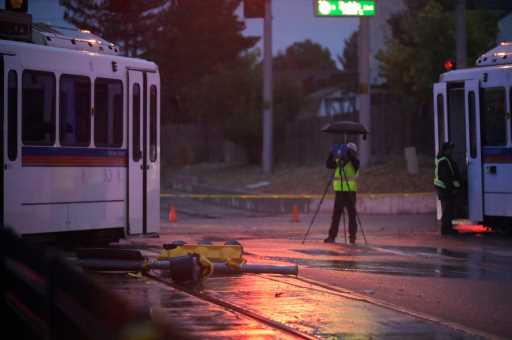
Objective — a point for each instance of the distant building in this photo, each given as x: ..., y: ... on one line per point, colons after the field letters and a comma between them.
x: 330, y: 102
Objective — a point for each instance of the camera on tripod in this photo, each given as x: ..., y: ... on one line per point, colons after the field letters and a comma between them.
x: 339, y: 151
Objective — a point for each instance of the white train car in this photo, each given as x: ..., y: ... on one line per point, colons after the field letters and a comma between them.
x: 80, y: 136
x: 472, y: 108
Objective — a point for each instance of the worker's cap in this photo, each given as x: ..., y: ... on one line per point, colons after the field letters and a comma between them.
x: 352, y: 146
x: 448, y: 146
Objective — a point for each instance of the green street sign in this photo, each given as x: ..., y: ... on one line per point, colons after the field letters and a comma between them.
x: 344, y: 8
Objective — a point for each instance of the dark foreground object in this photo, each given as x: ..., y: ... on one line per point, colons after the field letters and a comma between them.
x: 43, y: 296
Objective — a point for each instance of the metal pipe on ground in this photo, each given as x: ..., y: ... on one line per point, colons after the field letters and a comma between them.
x: 218, y: 268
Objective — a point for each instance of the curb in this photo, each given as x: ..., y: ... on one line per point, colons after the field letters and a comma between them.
x: 393, y: 203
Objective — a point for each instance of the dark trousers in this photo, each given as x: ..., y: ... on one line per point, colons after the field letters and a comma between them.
x: 448, y: 206
x: 344, y: 199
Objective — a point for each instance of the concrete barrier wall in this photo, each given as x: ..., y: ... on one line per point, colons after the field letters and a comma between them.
x: 399, y: 203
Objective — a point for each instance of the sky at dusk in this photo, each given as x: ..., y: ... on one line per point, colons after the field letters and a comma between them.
x: 293, y: 21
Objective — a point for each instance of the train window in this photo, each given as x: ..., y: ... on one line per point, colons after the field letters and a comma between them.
x: 494, y: 131
x: 12, y: 115
x: 440, y: 120
x: 38, y: 108
x: 472, y: 125
x: 153, y: 124
x: 108, y: 116
x: 75, y: 110
x: 136, y: 122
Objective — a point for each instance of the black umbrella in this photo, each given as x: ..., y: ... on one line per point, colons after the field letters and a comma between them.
x: 345, y: 127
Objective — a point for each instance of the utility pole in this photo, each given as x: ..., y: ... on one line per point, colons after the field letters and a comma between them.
x: 460, y: 33
x: 364, y: 87
x: 267, y: 90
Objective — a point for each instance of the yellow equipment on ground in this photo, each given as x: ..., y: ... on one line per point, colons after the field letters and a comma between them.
x: 229, y: 254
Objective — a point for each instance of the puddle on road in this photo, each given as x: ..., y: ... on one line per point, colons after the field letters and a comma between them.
x: 317, y: 313
x: 183, y: 312
x: 323, y: 314
x: 402, y: 268
x: 474, y: 257
x: 349, y: 252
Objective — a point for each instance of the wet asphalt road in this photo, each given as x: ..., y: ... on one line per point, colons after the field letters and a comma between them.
x: 406, y: 282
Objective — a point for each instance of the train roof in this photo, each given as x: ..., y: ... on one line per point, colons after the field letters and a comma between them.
x: 500, y: 55
x: 71, y: 38
x: 28, y: 53
x: 492, y: 63
x: 41, y: 37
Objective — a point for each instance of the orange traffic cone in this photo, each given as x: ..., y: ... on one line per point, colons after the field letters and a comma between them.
x: 295, y: 213
x: 172, y: 214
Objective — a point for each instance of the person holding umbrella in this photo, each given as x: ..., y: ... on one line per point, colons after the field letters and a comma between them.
x: 344, y: 160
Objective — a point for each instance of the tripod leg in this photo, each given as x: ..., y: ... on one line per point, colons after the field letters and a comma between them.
x: 362, y: 230
x: 318, y: 208
x: 344, y: 226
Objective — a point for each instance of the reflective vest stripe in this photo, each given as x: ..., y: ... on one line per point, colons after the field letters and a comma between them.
x: 437, y: 181
x: 347, y: 180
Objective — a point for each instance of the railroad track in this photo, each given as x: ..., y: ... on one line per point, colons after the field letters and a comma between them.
x: 233, y: 307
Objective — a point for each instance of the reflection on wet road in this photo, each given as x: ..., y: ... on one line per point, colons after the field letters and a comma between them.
x: 323, y: 313
x: 433, y: 262
x: 309, y: 309
x: 183, y: 312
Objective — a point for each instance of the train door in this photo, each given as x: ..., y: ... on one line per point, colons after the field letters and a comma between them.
x: 11, y: 155
x: 440, y: 123
x: 143, y: 150
x: 136, y: 169
x: 456, y: 129
x: 152, y: 151
x: 474, y: 151
x: 2, y: 101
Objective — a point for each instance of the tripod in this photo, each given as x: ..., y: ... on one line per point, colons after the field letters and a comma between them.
x: 318, y: 207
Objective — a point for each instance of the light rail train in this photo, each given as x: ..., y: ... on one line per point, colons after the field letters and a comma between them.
x: 472, y: 108
x: 80, y: 134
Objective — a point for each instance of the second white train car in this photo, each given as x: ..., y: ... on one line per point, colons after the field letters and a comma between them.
x: 473, y: 109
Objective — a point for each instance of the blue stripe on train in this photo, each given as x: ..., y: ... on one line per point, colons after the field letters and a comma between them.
x: 67, y: 151
x: 497, y: 154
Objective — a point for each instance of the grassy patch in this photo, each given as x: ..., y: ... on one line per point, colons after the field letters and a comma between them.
x: 387, y: 177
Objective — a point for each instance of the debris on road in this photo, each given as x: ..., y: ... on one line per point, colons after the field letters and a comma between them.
x: 186, y: 263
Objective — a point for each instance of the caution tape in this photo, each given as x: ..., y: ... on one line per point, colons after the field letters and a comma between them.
x: 272, y: 196
x: 243, y: 196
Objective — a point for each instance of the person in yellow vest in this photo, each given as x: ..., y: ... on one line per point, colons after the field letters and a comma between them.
x: 447, y: 184
x: 345, y: 188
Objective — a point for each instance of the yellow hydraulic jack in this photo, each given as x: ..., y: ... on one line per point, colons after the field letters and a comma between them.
x: 185, y: 262
x: 225, y: 259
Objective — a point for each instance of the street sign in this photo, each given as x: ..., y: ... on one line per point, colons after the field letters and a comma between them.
x: 344, y: 8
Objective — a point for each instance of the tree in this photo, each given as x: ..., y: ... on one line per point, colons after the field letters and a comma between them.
x: 188, y: 39
x: 350, y: 54
x: 129, y: 24
x: 305, y: 55
x: 423, y: 36
x: 232, y: 98
x: 201, y: 38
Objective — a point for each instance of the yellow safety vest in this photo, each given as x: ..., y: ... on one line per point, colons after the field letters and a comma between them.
x: 437, y: 181
x: 345, y: 181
